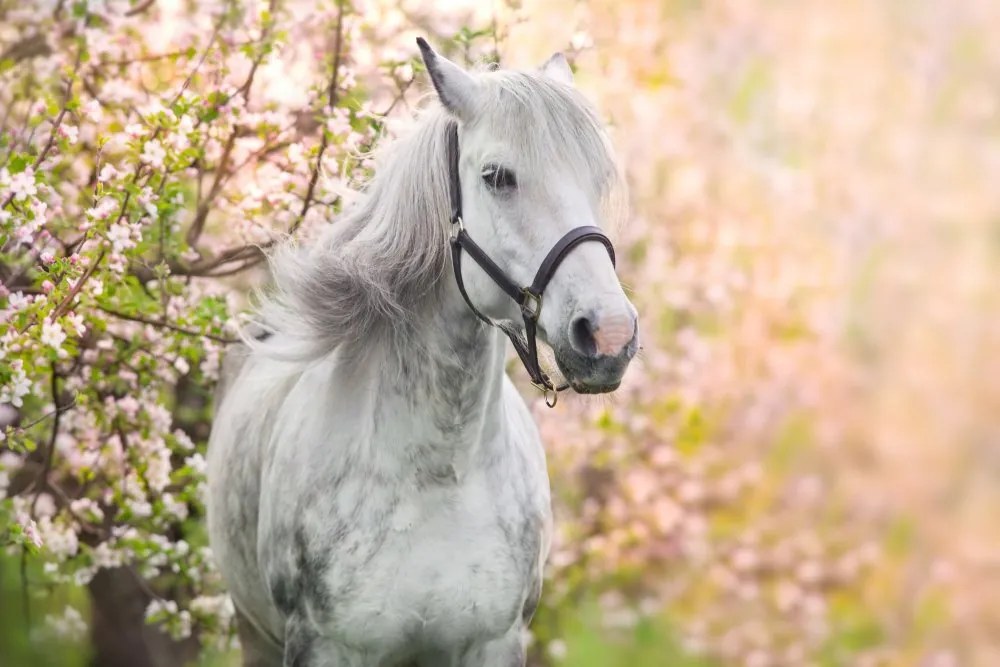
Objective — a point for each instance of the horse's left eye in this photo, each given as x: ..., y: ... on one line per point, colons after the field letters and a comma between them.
x: 499, y: 178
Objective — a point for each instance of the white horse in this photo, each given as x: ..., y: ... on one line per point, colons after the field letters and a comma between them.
x: 377, y: 488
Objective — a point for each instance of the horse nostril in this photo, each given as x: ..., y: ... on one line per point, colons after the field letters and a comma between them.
x: 582, y: 336
x: 610, y: 336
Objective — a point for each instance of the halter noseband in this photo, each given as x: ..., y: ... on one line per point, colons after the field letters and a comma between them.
x: 529, y: 299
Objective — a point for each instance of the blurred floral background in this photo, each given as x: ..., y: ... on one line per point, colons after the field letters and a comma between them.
x: 801, y: 468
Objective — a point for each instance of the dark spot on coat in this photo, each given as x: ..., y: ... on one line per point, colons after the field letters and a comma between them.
x: 284, y: 592
x: 312, y: 566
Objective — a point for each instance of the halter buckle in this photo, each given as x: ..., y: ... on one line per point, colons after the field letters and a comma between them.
x: 457, y: 227
x: 527, y: 310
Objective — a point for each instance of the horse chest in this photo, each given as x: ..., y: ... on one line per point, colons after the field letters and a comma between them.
x: 449, y: 565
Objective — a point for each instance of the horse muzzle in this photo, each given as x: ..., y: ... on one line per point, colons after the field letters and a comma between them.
x: 598, y: 351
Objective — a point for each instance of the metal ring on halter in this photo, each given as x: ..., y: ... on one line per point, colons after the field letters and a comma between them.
x: 457, y: 227
x: 550, y: 393
x: 553, y: 395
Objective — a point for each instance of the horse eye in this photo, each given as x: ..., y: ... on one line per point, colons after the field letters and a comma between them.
x: 499, y: 178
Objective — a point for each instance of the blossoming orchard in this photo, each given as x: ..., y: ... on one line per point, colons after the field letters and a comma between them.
x: 796, y: 468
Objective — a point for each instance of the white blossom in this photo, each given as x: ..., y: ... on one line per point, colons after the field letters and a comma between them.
x: 197, y: 463
x: 60, y: 539
x: 23, y: 185
x: 70, y: 625
x: 153, y: 154
x: 52, y: 334
x: 120, y: 236
x: 92, y: 111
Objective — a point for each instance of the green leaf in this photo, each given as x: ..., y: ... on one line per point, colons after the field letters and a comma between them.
x: 17, y: 164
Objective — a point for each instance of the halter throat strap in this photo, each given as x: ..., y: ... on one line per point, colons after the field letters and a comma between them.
x: 529, y: 299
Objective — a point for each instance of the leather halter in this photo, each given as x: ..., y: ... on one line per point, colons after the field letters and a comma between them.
x: 529, y: 299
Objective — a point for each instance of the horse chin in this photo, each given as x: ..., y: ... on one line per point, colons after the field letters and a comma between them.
x: 584, y: 388
x: 584, y: 382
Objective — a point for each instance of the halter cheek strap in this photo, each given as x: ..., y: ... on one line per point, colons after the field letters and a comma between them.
x: 529, y: 299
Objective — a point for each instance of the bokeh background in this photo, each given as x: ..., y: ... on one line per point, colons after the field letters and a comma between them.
x: 802, y: 467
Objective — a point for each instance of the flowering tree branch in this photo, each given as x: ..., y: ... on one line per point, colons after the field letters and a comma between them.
x: 331, y: 94
x: 132, y: 180
x: 225, y: 340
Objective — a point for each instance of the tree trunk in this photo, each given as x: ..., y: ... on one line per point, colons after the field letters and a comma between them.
x: 120, y: 635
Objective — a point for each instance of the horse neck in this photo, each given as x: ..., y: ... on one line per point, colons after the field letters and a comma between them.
x: 450, y: 371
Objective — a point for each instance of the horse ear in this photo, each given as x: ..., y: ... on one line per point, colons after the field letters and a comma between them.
x: 455, y: 87
x: 557, y: 68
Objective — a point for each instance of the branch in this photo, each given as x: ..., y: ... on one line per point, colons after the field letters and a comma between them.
x: 399, y: 97
x: 29, y: 47
x: 205, y: 267
x: 204, y: 206
x: 167, y: 325
x: 245, y: 88
x: 54, y: 412
x: 144, y: 59
x: 332, y: 101
x: 62, y: 112
x: 208, y: 48
x: 222, y: 175
x: 250, y: 263
x: 25, y: 597
x: 50, y: 453
x: 61, y: 309
x: 140, y: 8
x: 67, y: 95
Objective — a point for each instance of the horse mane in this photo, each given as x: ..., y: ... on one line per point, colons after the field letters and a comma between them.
x: 379, y: 260
x: 377, y: 270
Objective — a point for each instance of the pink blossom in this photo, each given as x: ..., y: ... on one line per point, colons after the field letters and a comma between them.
x: 103, y: 209
x: 30, y: 529
x: 108, y: 172
x: 179, y: 142
x: 129, y: 406
x: 23, y: 185
x: 69, y: 132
